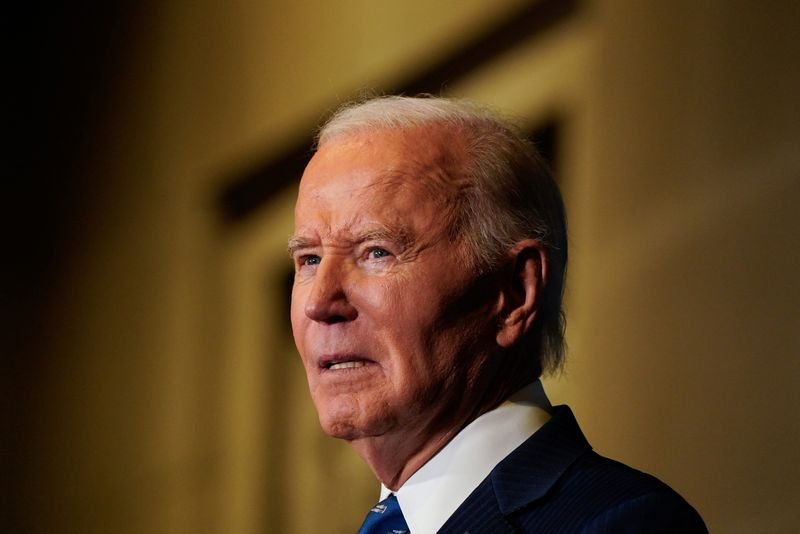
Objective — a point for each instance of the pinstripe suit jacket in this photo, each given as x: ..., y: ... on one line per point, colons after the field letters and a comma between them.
x: 554, y: 482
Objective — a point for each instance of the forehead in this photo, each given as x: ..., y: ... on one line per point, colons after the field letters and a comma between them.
x: 423, y: 156
x: 384, y: 171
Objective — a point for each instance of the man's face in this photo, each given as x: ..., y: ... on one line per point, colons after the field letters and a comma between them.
x: 392, y: 324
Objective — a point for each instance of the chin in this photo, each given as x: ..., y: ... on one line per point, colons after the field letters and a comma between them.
x: 344, y: 423
x: 340, y: 429
x: 337, y: 419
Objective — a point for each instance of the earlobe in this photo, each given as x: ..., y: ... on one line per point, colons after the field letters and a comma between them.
x: 521, y: 291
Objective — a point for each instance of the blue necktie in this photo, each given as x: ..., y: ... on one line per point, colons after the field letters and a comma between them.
x: 385, y: 518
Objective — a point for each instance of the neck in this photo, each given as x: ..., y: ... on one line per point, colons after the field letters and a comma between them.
x: 393, y: 458
x: 396, y: 455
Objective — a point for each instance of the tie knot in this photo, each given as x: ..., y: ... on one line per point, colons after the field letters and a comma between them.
x: 385, y: 518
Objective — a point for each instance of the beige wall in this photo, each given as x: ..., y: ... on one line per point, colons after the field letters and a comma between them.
x: 170, y: 399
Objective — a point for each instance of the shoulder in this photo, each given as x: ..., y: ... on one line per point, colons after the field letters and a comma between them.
x: 597, y: 494
x: 555, y: 482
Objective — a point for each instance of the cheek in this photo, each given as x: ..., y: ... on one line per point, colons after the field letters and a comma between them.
x: 298, y: 318
x: 295, y: 312
x: 378, y: 301
x: 300, y: 292
x: 366, y: 289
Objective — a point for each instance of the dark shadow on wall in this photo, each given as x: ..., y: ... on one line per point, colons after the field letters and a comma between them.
x: 59, y: 67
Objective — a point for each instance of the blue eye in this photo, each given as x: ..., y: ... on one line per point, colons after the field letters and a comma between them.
x: 311, y: 259
x: 377, y: 253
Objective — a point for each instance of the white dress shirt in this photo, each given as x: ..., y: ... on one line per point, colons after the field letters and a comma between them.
x: 431, y: 495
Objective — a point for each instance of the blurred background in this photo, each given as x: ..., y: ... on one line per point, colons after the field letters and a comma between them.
x: 150, y: 382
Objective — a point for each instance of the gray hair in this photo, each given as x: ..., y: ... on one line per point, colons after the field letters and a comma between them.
x: 512, y: 195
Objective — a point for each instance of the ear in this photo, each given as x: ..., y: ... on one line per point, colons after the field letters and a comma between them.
x: 521, y: 290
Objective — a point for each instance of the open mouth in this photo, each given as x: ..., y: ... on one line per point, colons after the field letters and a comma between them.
x: 339, y: 363
x: 347, y: 365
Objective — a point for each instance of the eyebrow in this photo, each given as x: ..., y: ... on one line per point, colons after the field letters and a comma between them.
x: 296, y: 243
x: 396, y: 234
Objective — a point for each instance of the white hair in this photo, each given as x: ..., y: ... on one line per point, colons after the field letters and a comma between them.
x: 512, y: 195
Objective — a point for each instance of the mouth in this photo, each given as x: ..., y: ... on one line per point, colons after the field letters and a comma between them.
x: 339, y: 363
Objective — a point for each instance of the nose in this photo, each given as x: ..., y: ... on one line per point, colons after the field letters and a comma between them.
x: 328, y: 300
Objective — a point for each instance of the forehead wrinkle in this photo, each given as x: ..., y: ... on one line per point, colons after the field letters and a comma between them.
x: 444, y: 192
x: 438, y: 171
x: 432, y: 157
x: 432, y: 176
x: 434, y: 172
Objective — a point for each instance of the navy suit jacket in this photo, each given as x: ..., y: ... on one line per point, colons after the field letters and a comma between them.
x: 554, y: 482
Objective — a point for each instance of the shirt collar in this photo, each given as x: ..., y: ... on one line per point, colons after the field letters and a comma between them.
x: 431, y: 495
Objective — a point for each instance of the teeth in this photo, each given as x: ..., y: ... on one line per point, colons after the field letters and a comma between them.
x: 346, y: 365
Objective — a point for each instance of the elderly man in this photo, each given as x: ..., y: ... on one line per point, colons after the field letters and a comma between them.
x: 430, y: 252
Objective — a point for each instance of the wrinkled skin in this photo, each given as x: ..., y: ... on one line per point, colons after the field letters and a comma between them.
x: 398, y: 335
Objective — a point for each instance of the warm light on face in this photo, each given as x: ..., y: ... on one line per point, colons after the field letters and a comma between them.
x: 386, y: 314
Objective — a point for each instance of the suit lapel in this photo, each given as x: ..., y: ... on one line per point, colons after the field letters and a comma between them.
x: 523, y: 477
x: 528, y: 473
